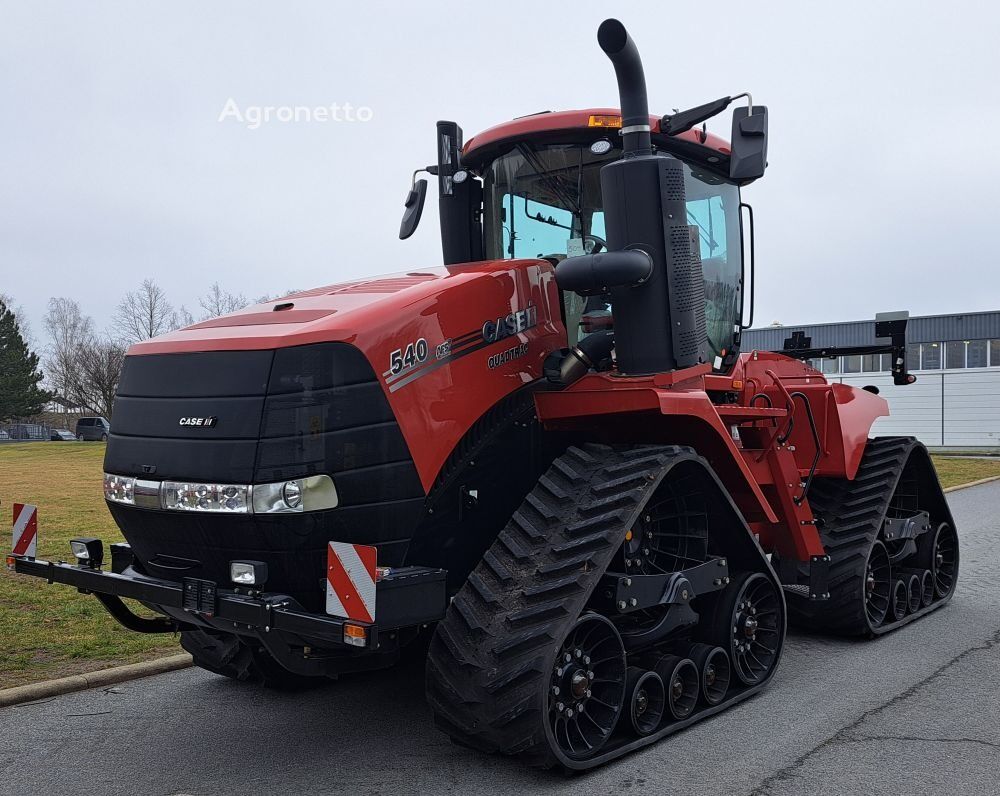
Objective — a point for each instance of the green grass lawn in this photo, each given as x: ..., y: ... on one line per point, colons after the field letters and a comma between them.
x: 954, y: 472
x: 52, y: 631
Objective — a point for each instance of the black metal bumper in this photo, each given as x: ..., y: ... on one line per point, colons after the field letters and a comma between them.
x: 407, y: 597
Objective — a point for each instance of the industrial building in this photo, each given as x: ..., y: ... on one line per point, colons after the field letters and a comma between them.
x: 955, y: 402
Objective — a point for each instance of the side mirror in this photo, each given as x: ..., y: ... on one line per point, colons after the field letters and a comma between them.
x: 749, y: 144
x: 414, y: 205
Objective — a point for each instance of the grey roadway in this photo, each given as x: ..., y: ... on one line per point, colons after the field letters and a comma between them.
x: 917, y: 712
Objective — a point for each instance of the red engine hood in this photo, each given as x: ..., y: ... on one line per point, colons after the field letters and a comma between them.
x: 331, y: 313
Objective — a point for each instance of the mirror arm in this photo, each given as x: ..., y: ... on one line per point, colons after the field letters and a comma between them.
x: 432, y: 170
x: 749, y: 101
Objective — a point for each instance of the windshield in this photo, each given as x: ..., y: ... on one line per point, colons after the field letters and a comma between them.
x: 546, y: 202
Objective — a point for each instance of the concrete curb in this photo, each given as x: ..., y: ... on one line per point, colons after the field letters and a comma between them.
x: 973, y: 483
x: 102, y: 677
x: 133, y: 671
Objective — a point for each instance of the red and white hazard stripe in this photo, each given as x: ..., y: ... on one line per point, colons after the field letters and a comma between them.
x: 24, y: 540
x: 350, y: 581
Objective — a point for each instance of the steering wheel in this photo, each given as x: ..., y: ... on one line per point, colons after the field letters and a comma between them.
x: 592, y: 244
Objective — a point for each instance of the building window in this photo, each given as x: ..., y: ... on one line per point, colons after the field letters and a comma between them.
x: 955, y: 354
x: 975, y: 354
x: 913, y: 356
x: 995, y: 353
x: 930, y: 356
x: 852, y: 364
x: 875, y: 363
x: 832, y: 365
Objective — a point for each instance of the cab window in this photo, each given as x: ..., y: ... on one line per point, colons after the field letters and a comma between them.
x: 545, y: 201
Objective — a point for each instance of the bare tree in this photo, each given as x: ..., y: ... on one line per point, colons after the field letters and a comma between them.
x: 184, y: 318
x: 95, y: 380
x: 144, y: 313
x: 268, y: 297
x: 219, y: 302
x: 82, y: 367
x: 68, y: 329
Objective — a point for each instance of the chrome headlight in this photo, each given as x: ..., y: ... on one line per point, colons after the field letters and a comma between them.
x: 314, y: 493
x: 119, y: 488
x: 193, y: 496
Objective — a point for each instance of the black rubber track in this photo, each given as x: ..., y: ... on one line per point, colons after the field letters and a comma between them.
x: 220, y: 653
x: 490, y: 659
x: 852, y: 514
x: 228, y: 655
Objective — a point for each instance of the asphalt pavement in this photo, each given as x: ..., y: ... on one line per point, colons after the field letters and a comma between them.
x: 916, y: 712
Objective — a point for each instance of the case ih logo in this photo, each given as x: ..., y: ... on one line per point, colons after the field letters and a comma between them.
x: 512, y: 324
x: 201, y: 422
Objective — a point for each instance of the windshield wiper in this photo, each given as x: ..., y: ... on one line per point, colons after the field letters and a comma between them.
x: 550, y: 181
x: 539, y: 217
x: 713, y: 244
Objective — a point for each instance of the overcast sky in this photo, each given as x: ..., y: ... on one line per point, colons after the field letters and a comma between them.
x: 880, y: 194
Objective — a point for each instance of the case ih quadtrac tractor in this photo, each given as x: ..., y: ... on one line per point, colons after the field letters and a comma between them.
x: 549, y: 453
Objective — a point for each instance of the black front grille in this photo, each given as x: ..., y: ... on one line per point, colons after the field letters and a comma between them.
x: 277, y: 415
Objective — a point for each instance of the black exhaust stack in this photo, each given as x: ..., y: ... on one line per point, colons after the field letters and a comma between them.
x: 620, y: 48
x: 660, y: 319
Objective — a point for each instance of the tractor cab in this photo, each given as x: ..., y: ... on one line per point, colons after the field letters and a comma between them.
x: 531, y: 188
x: 543, y: 199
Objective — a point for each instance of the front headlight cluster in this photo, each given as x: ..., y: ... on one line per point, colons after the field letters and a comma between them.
x: 183, y: 496
x: 314, y: 493
x: 119, y: 488
x: 303, y: 494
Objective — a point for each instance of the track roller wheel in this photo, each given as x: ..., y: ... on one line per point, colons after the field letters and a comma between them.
x: 647, y: 700
x: 900, y: 600
x: 713, y: 665
x: 926, y: 588
x: 913, y: 594
x: 588, y: 686
x: 878, y: 585
x: 681, y: 680
x: 748, y: 623
x: 944, y: 561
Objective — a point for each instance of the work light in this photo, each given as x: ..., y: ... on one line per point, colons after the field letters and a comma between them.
x: 89, y: 552
x: 248, y: 573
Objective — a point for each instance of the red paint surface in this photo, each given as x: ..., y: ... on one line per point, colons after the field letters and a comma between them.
x: 575, y: 120
x: 757, y: 400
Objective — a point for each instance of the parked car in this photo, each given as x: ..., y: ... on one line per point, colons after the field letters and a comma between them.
x: 92, y: 428
x: 61, y: 435
x: 4, y: 434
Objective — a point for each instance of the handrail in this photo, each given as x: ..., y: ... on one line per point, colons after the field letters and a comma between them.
x: 816, y: 457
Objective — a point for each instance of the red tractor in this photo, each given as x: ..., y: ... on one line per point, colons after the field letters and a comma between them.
x: 548, y: 458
